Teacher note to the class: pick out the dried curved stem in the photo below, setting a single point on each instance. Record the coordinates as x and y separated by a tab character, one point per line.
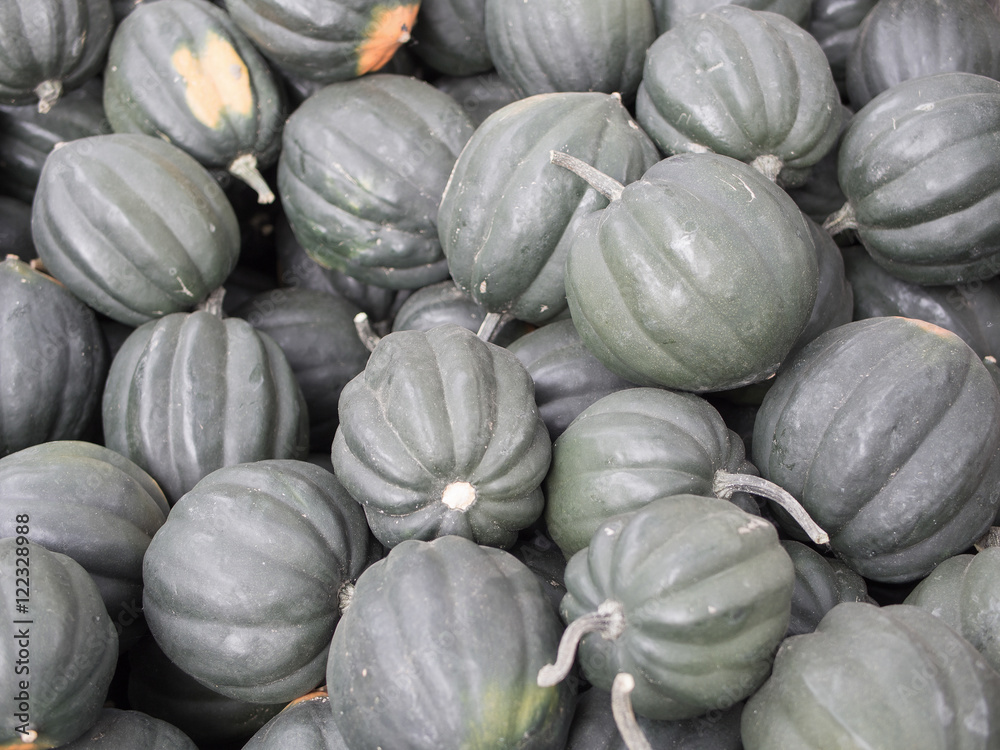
608	620
48	92
609	187
492	324
212	304
245	167
621	709
365	331
841	220
724	484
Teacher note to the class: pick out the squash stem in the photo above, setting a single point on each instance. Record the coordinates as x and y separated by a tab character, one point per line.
724	484
492	324
365	331
990	539
841	220
609	187
621	709
608	620
245	167
768	165
212	304
48	92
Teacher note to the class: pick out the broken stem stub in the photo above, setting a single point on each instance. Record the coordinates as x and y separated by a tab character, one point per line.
492	324
608	620
609	187
724	484
245	168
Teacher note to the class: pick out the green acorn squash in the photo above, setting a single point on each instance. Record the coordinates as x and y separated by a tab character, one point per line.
15	229
54	359
307	723
889	677
439	650
183	71
450	37
821	583
920	168
118	729
887	430
249	611
326	40
835	25
689	595
508	215
133	226
51	46
480	95
191	392
372	212
749	84
440	435
60	647
671	12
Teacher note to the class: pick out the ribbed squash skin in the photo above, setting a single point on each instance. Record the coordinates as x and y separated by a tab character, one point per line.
450	36
371	211
886	677
719	259
508	214
62	41
964	591
821	583
307	724
480	95
577	45
433	410
183	71
903	39
920	166
835	25
117	729
133	226
53	360
326	41
567	377
250	614
629	448
670	12
742	83
440	649
969	310
190	393
706	591
887	430
71	646
93	505
27	136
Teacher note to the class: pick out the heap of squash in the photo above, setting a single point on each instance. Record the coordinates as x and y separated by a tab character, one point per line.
499	374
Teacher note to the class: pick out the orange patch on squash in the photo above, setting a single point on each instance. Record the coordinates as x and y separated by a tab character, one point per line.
389	28
216	80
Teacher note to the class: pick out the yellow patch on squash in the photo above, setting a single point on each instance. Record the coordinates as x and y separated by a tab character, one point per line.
216	80
389	28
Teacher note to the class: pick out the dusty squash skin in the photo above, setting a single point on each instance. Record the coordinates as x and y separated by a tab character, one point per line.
887	430
440	648
307	723
118	729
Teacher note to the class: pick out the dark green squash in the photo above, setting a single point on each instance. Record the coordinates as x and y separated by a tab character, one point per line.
887	430
371	212
480	95
191	392
749	84
903	39
820	194
920	167
567	377
438	304
27	136
118	729
689	595
133	226
250	609
671	12
306	724
326	40
450	37
93	505
54	360
15	229
969	310
439	649
699	277
317	334
440	435
885	677
51	46
964	591
577	45
821	583
60	647
508	215
159	688
183	71
835	25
